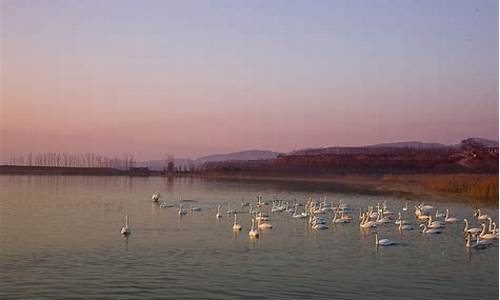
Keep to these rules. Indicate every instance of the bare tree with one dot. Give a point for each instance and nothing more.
(170, 163)
(131, 161)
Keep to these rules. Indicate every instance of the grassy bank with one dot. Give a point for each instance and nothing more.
(478, 190)
(482, 188)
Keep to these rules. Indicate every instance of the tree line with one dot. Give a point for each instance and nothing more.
(80, 160)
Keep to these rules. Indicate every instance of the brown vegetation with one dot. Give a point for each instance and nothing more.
(90, 171)
(480, 187)
(396, 161)
(469, 173)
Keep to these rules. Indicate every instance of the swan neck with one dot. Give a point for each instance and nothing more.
(483, 232)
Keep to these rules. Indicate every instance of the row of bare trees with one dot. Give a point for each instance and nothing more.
(81, 160)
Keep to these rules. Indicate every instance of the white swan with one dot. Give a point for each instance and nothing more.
(229, 210)
(236, 226)
(439, 215)
(405, 226)
(261, 217)
(422, 210)
(495, 229)
(387, 212)
(449, 219)
(423, 217)
(372, 214)
(382, 242)
(473, 231)
(126, 229)
(365, 223)
(345, 216)
(431, 230)
(313, 220)
(485, 235)
(479, 244)
(480, 216)
(275, 208)
(259, 202)
(181, 210)
(320, 226)
(165, 205)
(434, 224)
(401, 221)
(341, 220)
(253, 233)
(264, 225)
(385, 209)
(405, 208)
(342, 204)
(195, 208)
(155, 197)
(492, 227)
(381, 219)
(298, 216)
(218, 215)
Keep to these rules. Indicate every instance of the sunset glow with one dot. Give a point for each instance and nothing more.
(198, 77)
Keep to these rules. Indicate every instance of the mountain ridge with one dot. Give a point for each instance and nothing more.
(252, 154)
(259, 154)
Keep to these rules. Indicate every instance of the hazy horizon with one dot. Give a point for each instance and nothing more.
(194, 78)
(119, 155)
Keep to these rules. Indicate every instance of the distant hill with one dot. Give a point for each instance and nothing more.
(371, 149)
(479, 142)
(389, 147)
(254, 155)
(470, 156)
(410, 144)
(159, 164)
(242, 155)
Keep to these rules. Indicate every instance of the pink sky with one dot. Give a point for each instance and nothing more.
(194, 78)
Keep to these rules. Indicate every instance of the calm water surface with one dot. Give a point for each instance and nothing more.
(60, 238)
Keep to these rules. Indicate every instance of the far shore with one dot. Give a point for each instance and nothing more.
(476, 189)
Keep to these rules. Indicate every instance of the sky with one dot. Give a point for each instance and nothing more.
(198, 77)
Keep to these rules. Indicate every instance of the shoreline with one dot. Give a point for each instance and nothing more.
(417, 186)
(476, 189)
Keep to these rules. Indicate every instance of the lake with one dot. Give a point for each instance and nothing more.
(60, 238)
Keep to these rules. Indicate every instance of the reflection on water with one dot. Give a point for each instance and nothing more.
(60, 237)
